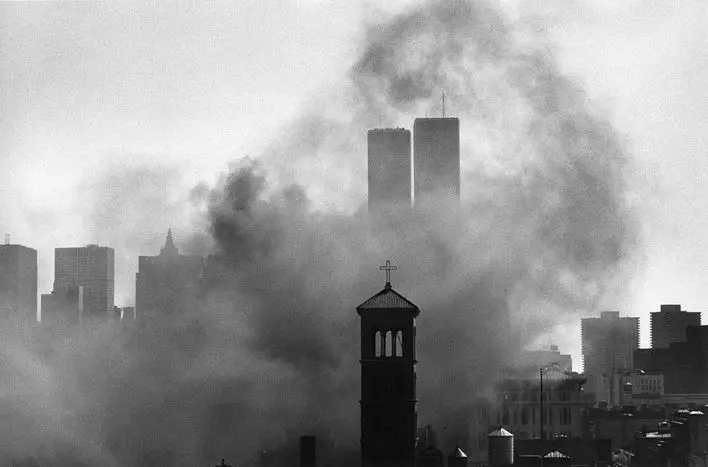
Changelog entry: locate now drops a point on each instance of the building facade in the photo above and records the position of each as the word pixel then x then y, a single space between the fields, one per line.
pixel 167 283
pixel 93 268
pixel 389 169
pixel 388 380
pixel 18 283
pixel 436 153
pixel 608 345
pixel 669 325
pixel 64 307
pixel 535 359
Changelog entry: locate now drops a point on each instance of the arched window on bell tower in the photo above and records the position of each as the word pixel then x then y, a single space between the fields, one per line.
pixel 389 344
pixel 398 344
pixel 377 344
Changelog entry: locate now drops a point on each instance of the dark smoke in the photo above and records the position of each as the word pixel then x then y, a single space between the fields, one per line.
pixel 543 230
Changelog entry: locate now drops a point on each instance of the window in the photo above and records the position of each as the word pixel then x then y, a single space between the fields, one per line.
pixel 399 344
pixel 378 339
pixel 389 344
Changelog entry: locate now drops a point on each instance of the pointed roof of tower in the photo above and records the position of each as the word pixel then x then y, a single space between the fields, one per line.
pixel 387 299
pixel 169 249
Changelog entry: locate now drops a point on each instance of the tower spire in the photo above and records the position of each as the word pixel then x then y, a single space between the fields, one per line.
pixel 169 249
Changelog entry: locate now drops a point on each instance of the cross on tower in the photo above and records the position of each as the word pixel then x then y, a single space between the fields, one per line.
pixel 388 268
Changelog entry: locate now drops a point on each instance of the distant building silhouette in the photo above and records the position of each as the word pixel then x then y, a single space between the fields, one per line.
pixel 388 379
pixel 535 359
pixel 18 283
pixel 389 173
pixel 669 325
pixel 608 343
pixel 93 268
pixel 683 364
pixel 64 307
pixel 167 283
pixel 436 153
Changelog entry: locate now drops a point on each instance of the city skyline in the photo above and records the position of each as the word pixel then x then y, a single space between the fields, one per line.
pixel 572 135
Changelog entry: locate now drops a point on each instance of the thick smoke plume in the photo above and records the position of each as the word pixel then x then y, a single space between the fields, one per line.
pixel 543 229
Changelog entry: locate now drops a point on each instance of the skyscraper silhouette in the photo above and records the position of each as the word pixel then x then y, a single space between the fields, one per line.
pixel 389 173
pixel 388 379
pixel 436 153
pixel 91 267
pixel 18 283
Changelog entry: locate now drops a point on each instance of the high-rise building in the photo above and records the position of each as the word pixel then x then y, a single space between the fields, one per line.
pixel 167 283
pixel 669 325
pixel 18 283
pixel 389 172
pixel 436 153
pixel 64 307
pixel 91 267
pixel 552 357
pixel 388 380
pixel 608 343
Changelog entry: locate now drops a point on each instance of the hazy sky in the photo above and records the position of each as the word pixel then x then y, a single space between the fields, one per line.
pixel 101 101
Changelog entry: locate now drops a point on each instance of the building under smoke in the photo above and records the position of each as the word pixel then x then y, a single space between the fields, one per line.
pixel 91 267
pixel 389 164
pixel 167 283
pixel 64 307
pixel 436 152
pixel 18 283
pixel 388 380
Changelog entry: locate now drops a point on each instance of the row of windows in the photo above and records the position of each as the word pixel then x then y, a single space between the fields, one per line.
pixel 531 416
pixel 388 344
pixel 548 395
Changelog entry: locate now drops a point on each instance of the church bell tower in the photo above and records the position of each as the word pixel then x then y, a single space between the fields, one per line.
pixel 388 379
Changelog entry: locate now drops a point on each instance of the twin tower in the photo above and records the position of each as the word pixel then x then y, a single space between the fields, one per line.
pixel 435 164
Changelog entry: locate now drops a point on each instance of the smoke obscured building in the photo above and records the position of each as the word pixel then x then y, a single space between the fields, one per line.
pixel 91 267
pixel 389 164
pixel 608 343
pixel 167 283
pixel 64 307
pixel 18 283
pixel 669 325
pixel 535 359
pixel 436 153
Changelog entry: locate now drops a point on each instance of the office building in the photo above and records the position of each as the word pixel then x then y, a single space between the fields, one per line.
pixel 436 153
pixel 608 343
pixel 18 283
pixel 167 283
pixel 64 307
pixel 551 357
pixel 669 325
pixel 91 267
pixel 389 164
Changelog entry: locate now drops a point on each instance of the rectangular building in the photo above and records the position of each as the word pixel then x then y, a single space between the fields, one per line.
pixel 389 163
pixel 608 343
pixel 669 325
pixel 436 152
pixel 18 283
pixel 91 267
pixel 64 307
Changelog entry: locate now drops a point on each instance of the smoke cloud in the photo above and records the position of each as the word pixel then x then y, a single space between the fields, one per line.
pixel 544 229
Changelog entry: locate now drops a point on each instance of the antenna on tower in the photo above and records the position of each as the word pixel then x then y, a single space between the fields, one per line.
pixel 443 102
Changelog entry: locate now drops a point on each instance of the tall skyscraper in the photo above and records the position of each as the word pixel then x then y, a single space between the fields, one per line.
pixel 669 325
pixel 608 343
pixel 167 283
pixel 18 283
pixel 389 172
pixel 436 153
pixel 388 379
pixel 91 267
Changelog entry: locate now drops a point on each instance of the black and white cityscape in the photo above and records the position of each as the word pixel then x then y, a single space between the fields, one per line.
pixel 442 233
